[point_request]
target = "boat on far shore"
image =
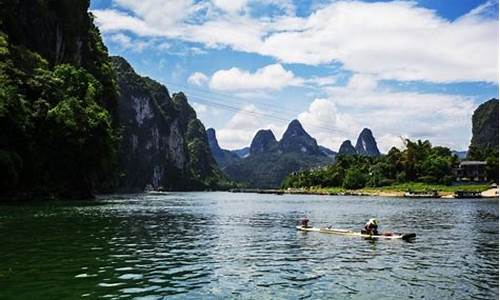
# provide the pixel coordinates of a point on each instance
(258, 191)
(467, 194)
(424, 194)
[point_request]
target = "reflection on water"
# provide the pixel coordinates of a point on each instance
(223, 245)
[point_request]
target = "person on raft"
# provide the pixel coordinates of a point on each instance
(304, 222)
(371, 227)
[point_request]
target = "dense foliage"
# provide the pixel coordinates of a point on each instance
(269, 169)
(55, 138)
(163, 143)
(59, 119)
(271, 161)
(202, 171)
(488, 154)
(484, 143)
(420, 161)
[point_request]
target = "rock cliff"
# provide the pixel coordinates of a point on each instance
(270, 161)
(366, 144)
(263, 142)
(328, 152)
(163, 143)
(485, 125)
(222, 157)
(296, 139)
(58, 103)
(243, 152)
(346, 148)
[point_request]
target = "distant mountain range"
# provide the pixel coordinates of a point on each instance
(460, 154)
(365, 145)
(222, 157)
(243, 152)
(268, 161)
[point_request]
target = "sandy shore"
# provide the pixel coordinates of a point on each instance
(490, 193)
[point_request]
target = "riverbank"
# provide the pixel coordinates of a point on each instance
(441, 191)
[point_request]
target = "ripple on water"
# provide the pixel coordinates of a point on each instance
(130, 276)
(222, 245)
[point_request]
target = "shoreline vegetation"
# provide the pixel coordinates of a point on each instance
(420, 170)
(415, 190)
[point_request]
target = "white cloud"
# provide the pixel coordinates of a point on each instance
(441, 118)
(322, 80)
(270, 77)
(389, 40)
(359, 82)
(199, 108)
(231, 6)
(385, 40)
(121, 39)
(198, 78)
(163, 14)
(387, 141)
(239, 131)
(204, 111)
(110, 20)
(393, 40)
(327, 125)
(125, 42)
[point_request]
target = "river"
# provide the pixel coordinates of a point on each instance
(223, 245)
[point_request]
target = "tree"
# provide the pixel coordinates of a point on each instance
(355, 178)
(492, 167)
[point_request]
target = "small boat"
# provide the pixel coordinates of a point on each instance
(386, 235)
(428, 194)
(467, 194)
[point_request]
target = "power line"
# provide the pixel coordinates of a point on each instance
(240, 99)
(256, 113)
(219, 96)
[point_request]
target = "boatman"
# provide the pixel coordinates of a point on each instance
(304, 222)
(371, 227)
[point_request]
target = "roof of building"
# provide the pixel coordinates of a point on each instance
(472, 163)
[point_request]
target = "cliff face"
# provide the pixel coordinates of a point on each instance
(222, 157)
(60, 124)
(163, 143)
(366, 144)
(242, 153)
(485, 125)
(62, 32)
(296, 139)
(328, 152)
(212, 142)
(347, 148)
(263, 142)
(270, 161)
(58, 101)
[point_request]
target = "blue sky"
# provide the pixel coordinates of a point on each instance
(404, 69)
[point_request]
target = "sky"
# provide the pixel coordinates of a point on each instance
(404, 69)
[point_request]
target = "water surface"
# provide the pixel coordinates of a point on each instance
(224, 245)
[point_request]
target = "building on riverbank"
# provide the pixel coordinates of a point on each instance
(471, 171)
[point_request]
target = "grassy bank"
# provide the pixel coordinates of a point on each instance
(398, 189)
